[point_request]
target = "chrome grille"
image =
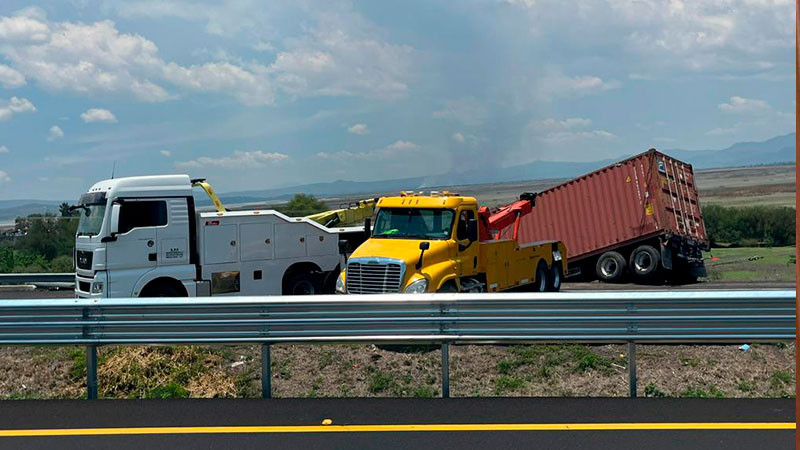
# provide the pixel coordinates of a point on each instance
(373, 277)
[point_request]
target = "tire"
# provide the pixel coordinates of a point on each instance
(644, 263)
(448, 288)
(161, 290)
(302, 283)
(555, 278)
(610, 267)
(542, 279)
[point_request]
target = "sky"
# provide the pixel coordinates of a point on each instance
(255, 94)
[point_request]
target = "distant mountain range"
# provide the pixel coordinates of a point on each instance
(778, 150)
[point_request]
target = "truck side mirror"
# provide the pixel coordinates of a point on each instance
(367, 228)
(343, 246)
(422, 247)
(472, 230)
(114, 223)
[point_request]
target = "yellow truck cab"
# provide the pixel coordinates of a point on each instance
(444, 242)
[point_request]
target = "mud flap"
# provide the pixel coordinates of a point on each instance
(666, 258)
(698, 269)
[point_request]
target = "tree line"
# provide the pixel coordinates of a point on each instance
(750, 226)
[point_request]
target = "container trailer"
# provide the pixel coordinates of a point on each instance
(638, 218)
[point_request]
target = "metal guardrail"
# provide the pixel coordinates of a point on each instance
(33, 278)
(694, 317)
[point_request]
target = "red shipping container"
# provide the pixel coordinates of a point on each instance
(649, 198)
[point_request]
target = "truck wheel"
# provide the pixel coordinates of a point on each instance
(644, 263)
(541, 283)
(163, 289)
(554, 280)
(301, 284)
(448, 288)
(610, 267)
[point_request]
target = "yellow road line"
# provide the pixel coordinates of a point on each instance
(403, 428)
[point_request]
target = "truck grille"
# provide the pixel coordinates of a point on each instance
(374, 277)
(84, 260)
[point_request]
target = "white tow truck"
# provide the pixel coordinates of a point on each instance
(143, 237)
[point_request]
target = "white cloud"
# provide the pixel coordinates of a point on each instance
(238, 160)
(397, 149)
(468, 111)
(358, 128)
(54, 133)
(10, 78)
(557, 85)
(166, 153)
(458, 137)
(98, 115)
(15, 105)
(740, 105)
(4, 178)
(566, 130)
(720, 131)
(337, 53)
(263, 46)
(3, 149)
(662, 37)
(340, 61)
(96, 58)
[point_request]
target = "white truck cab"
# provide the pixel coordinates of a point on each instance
(142, 237)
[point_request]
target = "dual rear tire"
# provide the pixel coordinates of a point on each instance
(644, 264)
(548, 280)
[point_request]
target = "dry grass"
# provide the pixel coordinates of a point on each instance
(369, 371)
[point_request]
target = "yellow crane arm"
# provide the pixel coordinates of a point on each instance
(346, 216)
(201, 182)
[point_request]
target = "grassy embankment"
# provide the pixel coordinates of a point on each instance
(757, 264)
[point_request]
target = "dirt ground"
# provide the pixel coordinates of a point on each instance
(737, 186)
(369, 371)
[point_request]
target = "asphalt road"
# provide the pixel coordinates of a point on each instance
(389, 423)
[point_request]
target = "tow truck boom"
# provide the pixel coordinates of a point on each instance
(494, 223)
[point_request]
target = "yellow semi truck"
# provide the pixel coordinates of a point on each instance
(443, 242)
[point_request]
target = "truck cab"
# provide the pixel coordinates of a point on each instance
(132, 231)
(442, 243)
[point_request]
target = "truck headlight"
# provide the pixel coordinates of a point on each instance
(97, 287)
(340, 284)
(417, 287)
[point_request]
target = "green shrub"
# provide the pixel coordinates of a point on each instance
(750, 226)
(652, 391)
(169, 390)
(506, 383)
(379, 381)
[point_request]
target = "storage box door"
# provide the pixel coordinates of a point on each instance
(220, 244)
(321, 244)
(256, 241)
(290, 240)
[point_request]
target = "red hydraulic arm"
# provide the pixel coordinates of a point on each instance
(492, 224)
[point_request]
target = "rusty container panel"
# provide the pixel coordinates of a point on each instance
(644, 196)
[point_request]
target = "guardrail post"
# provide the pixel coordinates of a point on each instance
(445, 370)
(91, 372)
(266, 372)
(632, 368)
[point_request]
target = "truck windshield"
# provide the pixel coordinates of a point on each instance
(414, 223)
(92, 210)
